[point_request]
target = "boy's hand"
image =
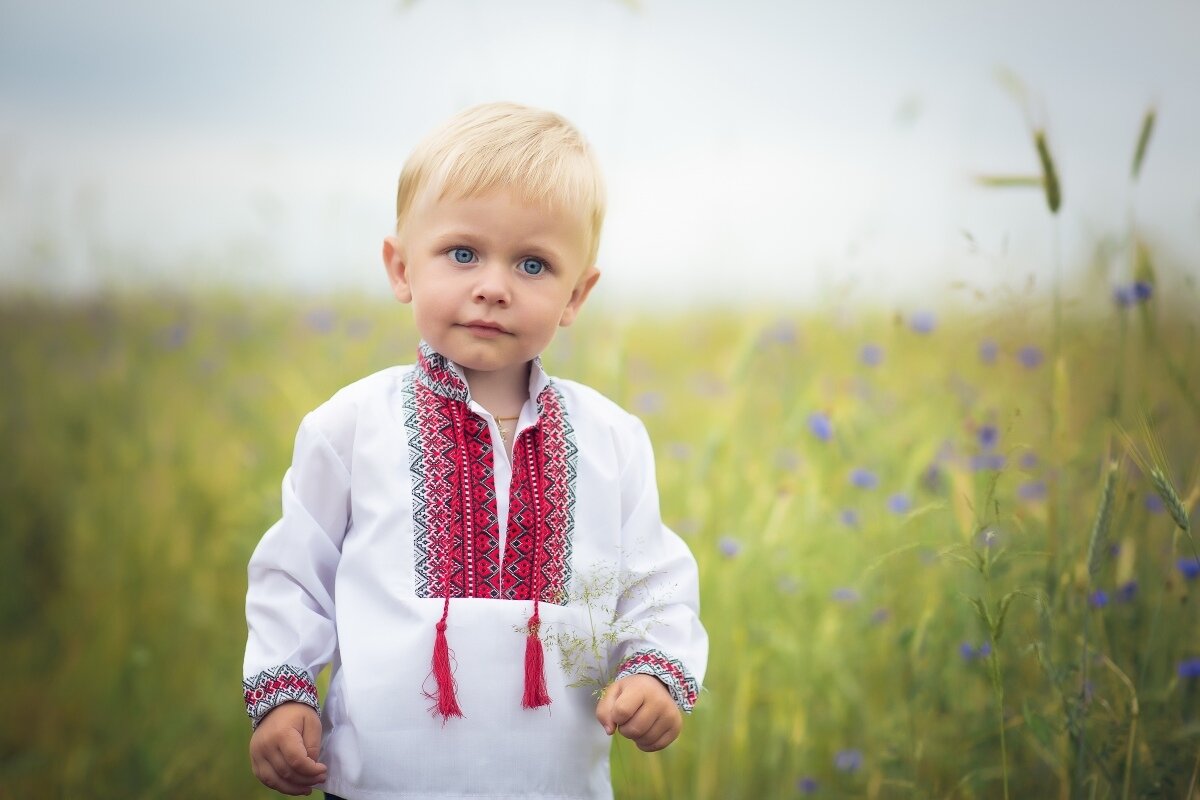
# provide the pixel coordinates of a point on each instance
(284, 749)
(640, 708)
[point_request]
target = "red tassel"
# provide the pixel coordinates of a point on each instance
(536, 694)
(445, 703)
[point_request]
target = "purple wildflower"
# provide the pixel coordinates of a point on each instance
(987, 436)
(871, 355)
(844, 594)
(1127, 592)
(1029, 460)
(983, 461)
(820, 425)
(780, 332)
(807, 785)
(880, 616)
(1030, 356)
(987, 351)
(1123, 296)
(985, 649)
(1032, 491)
(922, 322)
(863, 478)
(680, 451)
(899, 503)
(1142, 290)
(848, 760)
(729, 546)
(1098, 599)
(967, 651)
(176, 336)
(320, 320)
(1154, 504)
(648, 403)
(1189, 668)
(1189, 568)
(849, 517)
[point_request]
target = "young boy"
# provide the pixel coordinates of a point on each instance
(460, 537)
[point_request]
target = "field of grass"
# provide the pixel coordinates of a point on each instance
(912, 578)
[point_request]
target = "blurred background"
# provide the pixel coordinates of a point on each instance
(905, 293)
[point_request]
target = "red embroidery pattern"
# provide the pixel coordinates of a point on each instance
(271, 687)
(455, 524)
(678, 680)
(544, 458)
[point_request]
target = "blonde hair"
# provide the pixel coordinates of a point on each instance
(537, 154)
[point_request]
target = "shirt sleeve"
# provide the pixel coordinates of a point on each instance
(658, 614)
(289, 602)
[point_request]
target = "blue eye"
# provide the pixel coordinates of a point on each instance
(462, 255)
(533, 266)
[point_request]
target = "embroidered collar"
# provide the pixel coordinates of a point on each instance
(444, 377)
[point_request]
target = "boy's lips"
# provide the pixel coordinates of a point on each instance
(484, 328)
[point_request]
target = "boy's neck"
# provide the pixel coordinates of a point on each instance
(503, 392)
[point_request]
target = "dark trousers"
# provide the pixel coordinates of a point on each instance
(329, 796)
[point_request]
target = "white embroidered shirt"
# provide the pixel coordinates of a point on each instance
(401, 508)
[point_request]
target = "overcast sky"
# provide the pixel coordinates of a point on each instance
(753, 149)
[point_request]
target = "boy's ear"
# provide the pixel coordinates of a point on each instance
(579, 294)
(397, 269)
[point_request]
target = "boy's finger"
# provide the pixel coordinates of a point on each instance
(296, 754)
(311, 735)
(604, 709)
(626, 705)
(272, 780)
(639, 724)
(659, 744)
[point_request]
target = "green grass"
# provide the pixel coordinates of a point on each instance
(147, 437)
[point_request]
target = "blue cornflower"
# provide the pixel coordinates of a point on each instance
(967, 651)
(1142, 290)
(848, 760)
(844, 594)
(807, 785)
(1154, 504)
(1189, 568)
(871, 355)
(899, 503)
(983, 461)
(1189, 668)
(1098, 599)
(729, 546)
(1123, 296)
(985, 649)
(820, 425)
(648, 403)
(1030, 356)
(1032, 491)
(1127, 591)
(987, 351)
(863, 478)
(987, 436)
(1029, 460)
(849, 517)
(176, 336)
(880, 616)
(320, 320)
(922, 322)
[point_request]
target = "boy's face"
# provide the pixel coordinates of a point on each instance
(490, 278)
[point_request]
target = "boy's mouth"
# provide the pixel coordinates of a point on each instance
(484, 328)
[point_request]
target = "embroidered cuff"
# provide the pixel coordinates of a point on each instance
(272, 687)
(678, 680)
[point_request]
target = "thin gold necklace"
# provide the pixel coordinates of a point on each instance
(500, 422)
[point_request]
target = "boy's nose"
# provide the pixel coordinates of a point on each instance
(493, 285)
